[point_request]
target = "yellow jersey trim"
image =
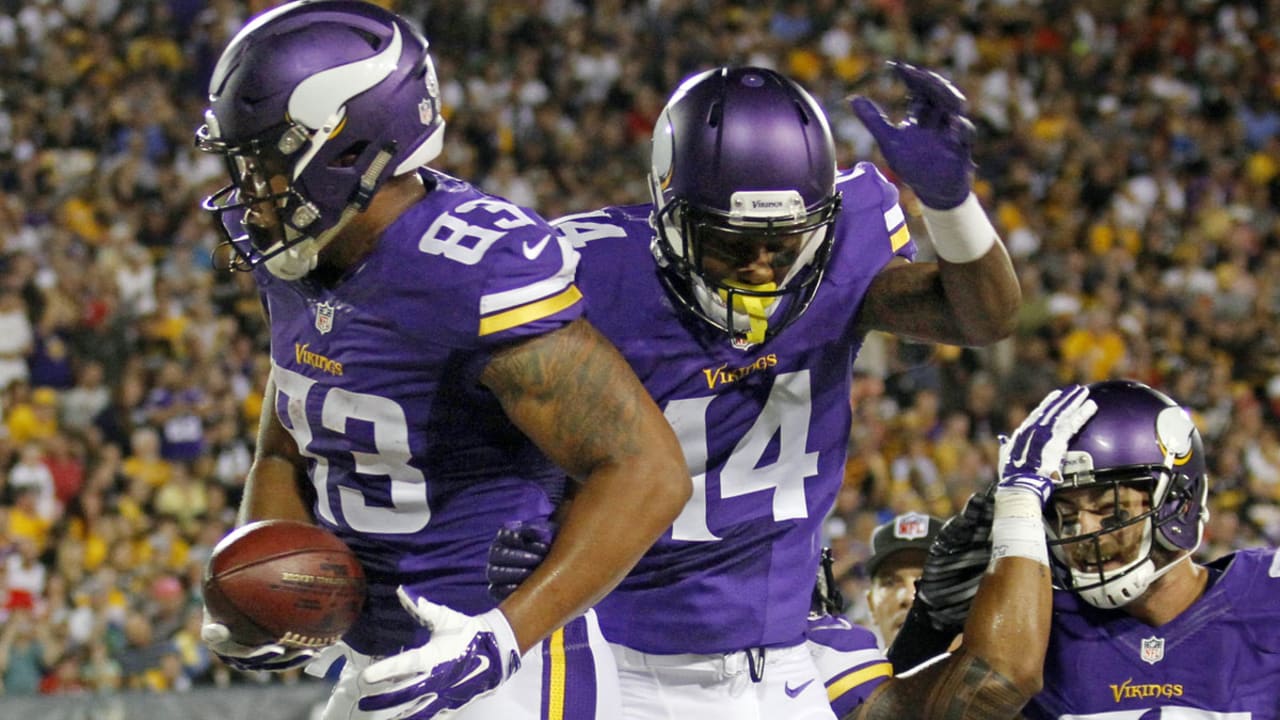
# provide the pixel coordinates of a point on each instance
(900, 237)
(528, 313)
(555, 677)
(854, 679)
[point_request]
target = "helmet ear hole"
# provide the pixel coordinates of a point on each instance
(350, 155)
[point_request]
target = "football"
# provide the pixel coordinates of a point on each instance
(279, 581)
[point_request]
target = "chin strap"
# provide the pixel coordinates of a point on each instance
(300, 258)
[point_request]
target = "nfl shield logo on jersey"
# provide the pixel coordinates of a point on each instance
(1152, 649)
(324, 317)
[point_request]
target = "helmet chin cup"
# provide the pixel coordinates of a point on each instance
(293, 262)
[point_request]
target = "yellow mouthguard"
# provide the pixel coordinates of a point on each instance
(753, 307)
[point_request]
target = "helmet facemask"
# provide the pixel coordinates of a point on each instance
(1137, 467)
(799, 240)
(1115, 564)
(743, 159)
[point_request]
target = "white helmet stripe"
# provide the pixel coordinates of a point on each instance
(319, 97)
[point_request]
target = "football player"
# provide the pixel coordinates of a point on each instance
(1120, 621)
(1160, 634)
(431, 375)
(740, 296)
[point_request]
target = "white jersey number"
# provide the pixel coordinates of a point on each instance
(580, 231)
(460, 241)
(409, 511)
(786, 413)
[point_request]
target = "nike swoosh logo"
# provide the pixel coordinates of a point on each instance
(479, 670)
(794, 691)
(1026, 448)
(532, 252)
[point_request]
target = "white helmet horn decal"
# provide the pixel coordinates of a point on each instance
(319, 97)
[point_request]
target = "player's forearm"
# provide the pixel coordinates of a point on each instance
(271, 492)
(615, 517)
(273, 487)
(1008, 626)
(963, 687)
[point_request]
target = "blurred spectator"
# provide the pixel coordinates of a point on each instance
(34, 418)
(16, 337)
(26, 652)
(31, 473)
(88, 397)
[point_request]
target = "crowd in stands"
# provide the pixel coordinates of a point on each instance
(1129, 154)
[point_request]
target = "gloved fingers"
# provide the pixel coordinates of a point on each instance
(392, 672)
(515, 557)
(932, 99)
(437, 618)
(876, 122)
(218, 637)
(501, 591)
(540, 532)
(323, 662)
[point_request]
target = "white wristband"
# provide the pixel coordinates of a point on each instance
(962, 234)
(1018, 527)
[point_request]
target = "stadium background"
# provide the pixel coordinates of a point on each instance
(1128, 152)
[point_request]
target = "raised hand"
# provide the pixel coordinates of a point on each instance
(467, 657)
(517, 550)
(1032, 457)
(272, 657)
(931, 149)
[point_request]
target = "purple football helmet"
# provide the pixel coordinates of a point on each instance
(743, 152)
(1139, 437)
(328, 99)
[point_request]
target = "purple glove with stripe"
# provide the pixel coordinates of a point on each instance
(1031, 457)
(931, 149)
(467, 657)
(517, 550)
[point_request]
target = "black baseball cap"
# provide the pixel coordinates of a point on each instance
(908, 531)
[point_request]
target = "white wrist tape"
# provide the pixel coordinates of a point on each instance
(962, 234)
(1018, 527)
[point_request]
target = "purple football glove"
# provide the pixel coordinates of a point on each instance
(1034, 453)
(931, 148)
(517, 550)
(272, 657)
(467, 657)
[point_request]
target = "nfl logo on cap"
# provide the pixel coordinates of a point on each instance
(911, 526)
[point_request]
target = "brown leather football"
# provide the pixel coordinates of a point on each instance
(282, 581)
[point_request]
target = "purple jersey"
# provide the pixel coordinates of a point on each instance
(764, 431)
(413, 462)
(1219, 659)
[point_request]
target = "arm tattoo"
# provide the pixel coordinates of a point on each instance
(962, 687)
(573, 393)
